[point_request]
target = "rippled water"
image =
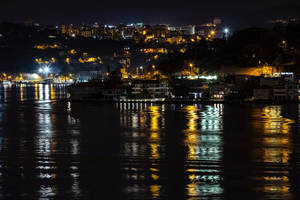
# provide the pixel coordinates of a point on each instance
(51, 149)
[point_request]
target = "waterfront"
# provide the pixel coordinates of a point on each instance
(58, 149)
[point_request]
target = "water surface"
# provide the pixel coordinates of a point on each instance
(52, 149)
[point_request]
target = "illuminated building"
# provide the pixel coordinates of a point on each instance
(277, 87)
(152, 50)
(188, 30)
(125, 62)
(149, 88)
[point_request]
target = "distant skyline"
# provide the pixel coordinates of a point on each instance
(233, 13)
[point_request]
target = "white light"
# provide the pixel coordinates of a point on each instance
(46, 69)
(226, 30)
(202, 77)
(40, 70)
(284, 73)
(141, 67)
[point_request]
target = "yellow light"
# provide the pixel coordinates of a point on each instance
(183, 50)
(21, 92)
(54, 46)
(81, 60)
(52, 92)
(72, 51)
(91, 59)
(155, 189)
(36, 94)
(149, 37)
(68, 60)
(155, 115)
(192, 123)
(155, 177)
(40, 47)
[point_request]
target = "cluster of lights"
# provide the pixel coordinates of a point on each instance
(284, 73)
(201, 77)
(44, 70)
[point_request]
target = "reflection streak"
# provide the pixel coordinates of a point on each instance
(204, 144)
(143, 144)
(275, 150)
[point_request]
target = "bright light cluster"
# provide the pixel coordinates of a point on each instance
(201, 77)
(44, 70)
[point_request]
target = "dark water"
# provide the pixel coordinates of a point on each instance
(53, 149)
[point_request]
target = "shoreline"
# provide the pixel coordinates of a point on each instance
(181, 101)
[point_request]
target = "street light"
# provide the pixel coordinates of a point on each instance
(226, 30)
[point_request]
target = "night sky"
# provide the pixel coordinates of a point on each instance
(236, 13)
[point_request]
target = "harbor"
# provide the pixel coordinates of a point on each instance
(275, 88)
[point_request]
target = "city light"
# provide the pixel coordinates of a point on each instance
(44, 70)
(226, 32)
(209, 77)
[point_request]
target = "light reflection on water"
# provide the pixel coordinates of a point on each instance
(202, 139)
(274, 151)
(33, 143)
(29, 92)
(49, 150)
(142, 144)
(45, 148)
(204, 150)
